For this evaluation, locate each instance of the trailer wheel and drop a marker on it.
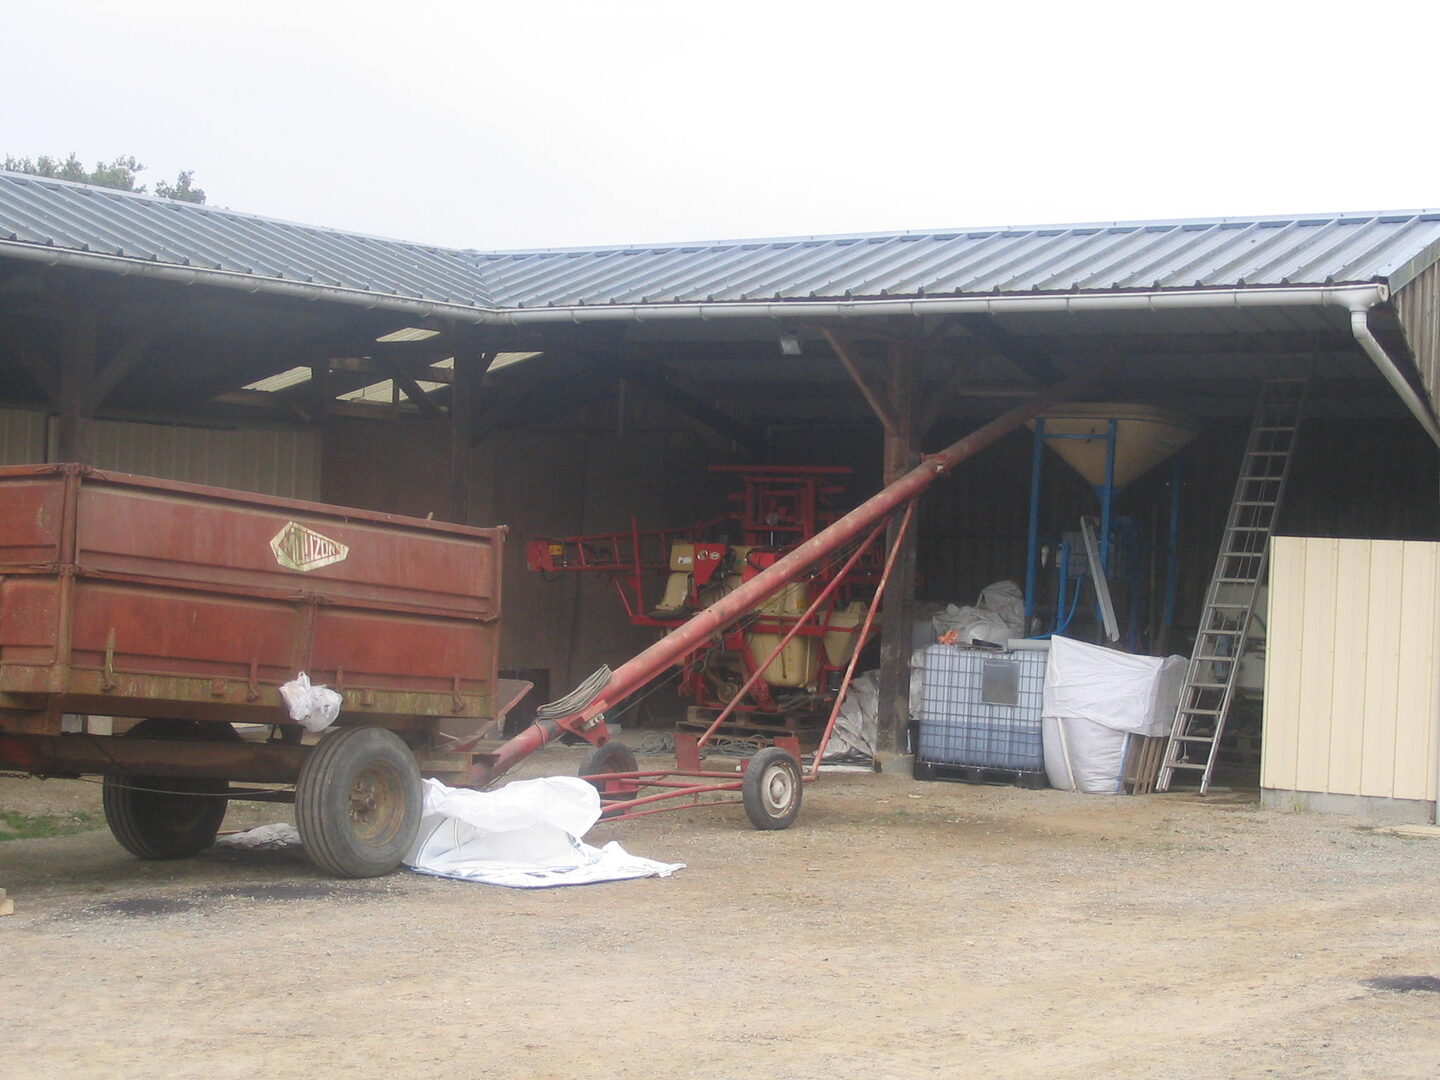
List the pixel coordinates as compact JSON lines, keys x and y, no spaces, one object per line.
{"x":160,"y":817}
{"x":771,"y":789}
{"x":613,"y":757}
{"x":358,"y":802}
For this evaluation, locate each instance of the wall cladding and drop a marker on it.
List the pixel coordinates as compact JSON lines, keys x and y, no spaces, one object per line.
{"x":272,"y":461}
{"x":591,"y":474}
{"x":1352,"y":676}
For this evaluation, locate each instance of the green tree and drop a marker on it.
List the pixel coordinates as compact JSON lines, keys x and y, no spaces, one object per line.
{"x":182,"y":190}
{"x":120,"y":174}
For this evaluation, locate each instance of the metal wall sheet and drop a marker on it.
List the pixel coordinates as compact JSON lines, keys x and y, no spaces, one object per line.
{"x":1418,"y":307}
{"x":268,"y":461}
{"x":23,"y":434}
{"x":1352,"y":673}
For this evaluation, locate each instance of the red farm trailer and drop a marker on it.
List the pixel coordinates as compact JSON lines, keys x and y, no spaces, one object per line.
{"x":185,"y":608}
{"x":181,"y":610}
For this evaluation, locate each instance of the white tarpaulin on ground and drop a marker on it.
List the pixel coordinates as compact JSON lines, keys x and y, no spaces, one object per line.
{"x":1095,"y":699}
{"x":525,"y":835}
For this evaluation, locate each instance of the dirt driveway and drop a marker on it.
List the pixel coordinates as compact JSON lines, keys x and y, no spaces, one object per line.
{"x":898,"y":930}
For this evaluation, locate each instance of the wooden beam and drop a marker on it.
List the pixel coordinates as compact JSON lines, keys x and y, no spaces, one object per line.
{"x":1023,"y":354}
{"x":119,"y":365}
{"x":845,"y":351}
{"x":78,"y":353}
{"x":663,"y":383}
{"x":937,"y":398}
{"x":897,"y":613}
{"x":412,"y":390}
{"x":381,"y":368}
{"x":469,"y":369}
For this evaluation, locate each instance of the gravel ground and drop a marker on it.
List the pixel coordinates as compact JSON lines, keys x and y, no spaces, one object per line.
{"x":897,"y":930}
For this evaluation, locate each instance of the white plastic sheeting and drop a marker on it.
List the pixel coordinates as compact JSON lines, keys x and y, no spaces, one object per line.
{"x":525,"y":835}
{"x":1095,"y":699}
{"x":314,"y":708}
{"x":997,"y":616}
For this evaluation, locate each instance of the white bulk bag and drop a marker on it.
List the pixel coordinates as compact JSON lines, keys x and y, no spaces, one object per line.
{"x":1095,"y":699}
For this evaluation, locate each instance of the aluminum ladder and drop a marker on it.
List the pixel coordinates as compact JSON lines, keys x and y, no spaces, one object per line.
{"x":1240,"y":568}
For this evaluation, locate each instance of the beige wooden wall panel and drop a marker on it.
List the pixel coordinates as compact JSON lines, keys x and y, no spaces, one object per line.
{"x":1352,"y":681}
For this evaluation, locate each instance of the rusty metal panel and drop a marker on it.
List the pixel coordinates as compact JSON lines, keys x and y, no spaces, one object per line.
{"x":132,"y":592}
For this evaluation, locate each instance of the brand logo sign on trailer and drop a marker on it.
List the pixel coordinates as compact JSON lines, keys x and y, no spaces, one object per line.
{"x":299,"y":548}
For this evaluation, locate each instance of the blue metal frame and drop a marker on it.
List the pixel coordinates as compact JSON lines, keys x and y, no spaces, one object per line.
{"x":1106,"y":493}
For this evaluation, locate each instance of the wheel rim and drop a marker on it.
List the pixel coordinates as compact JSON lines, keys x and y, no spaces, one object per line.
{"x":377,"y":805}
{"x":777,"y":789}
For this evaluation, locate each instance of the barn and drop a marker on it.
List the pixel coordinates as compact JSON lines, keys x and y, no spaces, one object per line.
{"x":573,"y":392}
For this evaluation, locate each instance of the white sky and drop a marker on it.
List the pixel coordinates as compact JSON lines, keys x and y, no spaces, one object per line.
{"x":559,"y":122}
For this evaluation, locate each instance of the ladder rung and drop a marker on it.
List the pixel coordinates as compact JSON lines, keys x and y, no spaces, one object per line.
{"x":1187,"y":765}
{"x":1214,"y":658}
{"x":1237,"y":607}
{"x":1188,"y":711}
{"x":1254,"y":502}
{"x":1207,"y":685}
{"x":1195,"y":738}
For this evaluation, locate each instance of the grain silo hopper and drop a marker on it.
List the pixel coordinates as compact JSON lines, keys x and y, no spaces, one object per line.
{"x":1110,"y":445}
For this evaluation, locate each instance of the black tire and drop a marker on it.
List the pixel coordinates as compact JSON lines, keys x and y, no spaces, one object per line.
{"x":358,"y":802}
{"x":167,"y":817}
{"x":771,"y":789}
{"x":613,"y":757}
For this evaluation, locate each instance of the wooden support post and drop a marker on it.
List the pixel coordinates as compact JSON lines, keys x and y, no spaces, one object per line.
{"x":319,"y":393}
{"x":79,"y":344}
{"x":469,"y":370}
{"x":897,"y":615}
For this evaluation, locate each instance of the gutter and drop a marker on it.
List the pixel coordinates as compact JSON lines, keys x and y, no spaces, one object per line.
{"x":1350,"y":297}
{"x":1357,"y":299}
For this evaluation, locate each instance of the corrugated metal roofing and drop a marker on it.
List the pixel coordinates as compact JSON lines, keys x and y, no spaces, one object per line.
{"x":1064,"y":259}
{"x":1316,"y":250}
{"x":76,"y":217}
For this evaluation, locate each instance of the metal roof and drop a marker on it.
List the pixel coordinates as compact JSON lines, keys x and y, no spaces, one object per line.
{"x":55,"y":219}
{"x":66,"y":217}
{"x":1153,"y":255}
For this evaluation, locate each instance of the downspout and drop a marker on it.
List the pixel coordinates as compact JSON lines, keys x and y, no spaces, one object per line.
{"x":1365,"y":337}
